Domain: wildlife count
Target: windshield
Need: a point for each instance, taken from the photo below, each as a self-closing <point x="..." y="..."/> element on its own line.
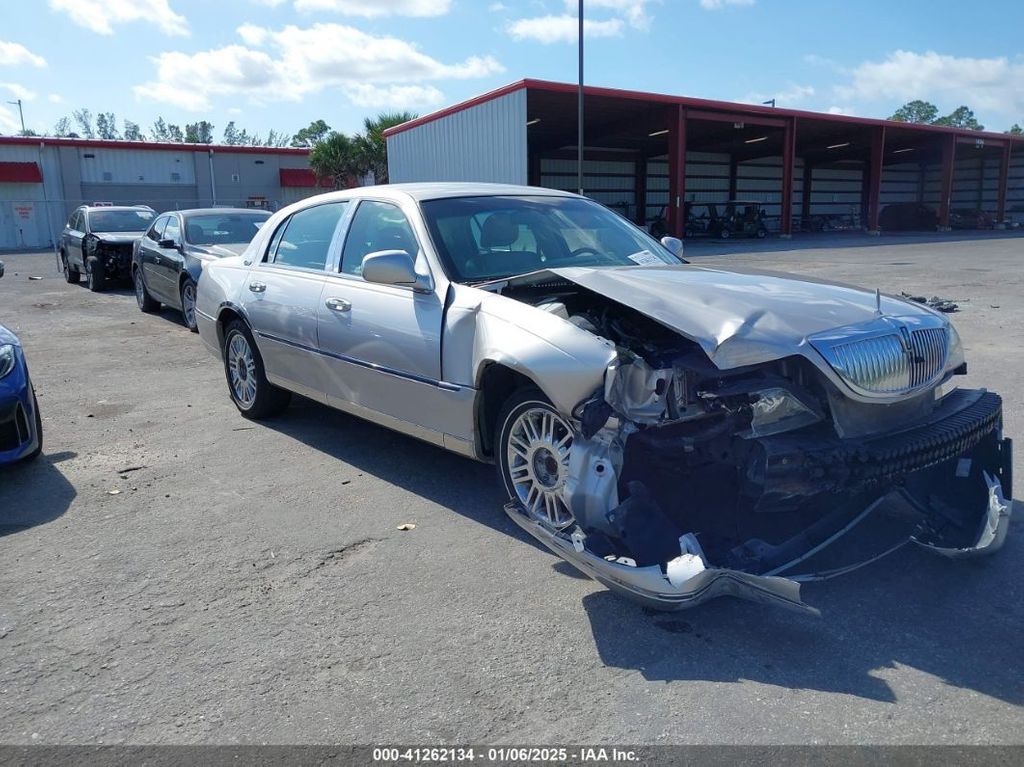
<point x="488" y="238"/>
<point x="120" y="220"/>
<point x="223" y="228"/>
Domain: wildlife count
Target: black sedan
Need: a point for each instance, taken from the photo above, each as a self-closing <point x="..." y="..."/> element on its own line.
<point x="168" y="259"/>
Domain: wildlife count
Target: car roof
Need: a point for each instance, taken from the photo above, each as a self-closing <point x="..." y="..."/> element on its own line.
<point x="116" y="207"/>
<point x="217" y="211"/>
<point x="442" y="190"/>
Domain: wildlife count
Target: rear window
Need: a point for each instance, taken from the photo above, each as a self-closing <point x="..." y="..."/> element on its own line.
<point x="120" y="220"/>
<point x="223" y="229"/>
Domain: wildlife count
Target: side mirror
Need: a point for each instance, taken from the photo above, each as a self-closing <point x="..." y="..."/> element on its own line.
<point x="673" y="245"/>
<point x="395" y="267"/>
<point x="167" y="244"/>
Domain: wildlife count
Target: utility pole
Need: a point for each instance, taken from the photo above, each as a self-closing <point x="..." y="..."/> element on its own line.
<point x="579" y="115"/>
<point x="21" y="114"/>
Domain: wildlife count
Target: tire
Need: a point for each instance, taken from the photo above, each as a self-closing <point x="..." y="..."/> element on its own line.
<point x="533" y="471"/>
<point x="762" y="233"/>
<point x="145" y="301"/>
<point x="188" y="304"/>
<point x="725" y="234"/>
<point x="95" y="276"/>
<point x="71" y="273"/>
<point x="39" y="429"/>
<point x="254" y="396"/>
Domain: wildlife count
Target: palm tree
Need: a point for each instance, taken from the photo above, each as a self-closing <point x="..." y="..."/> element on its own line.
<point x="372" y="148"/>
<point x="336" y="159"/>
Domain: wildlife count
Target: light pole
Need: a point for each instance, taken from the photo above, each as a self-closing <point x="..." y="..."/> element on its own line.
<point x="579" y="115"/>
<point x="21" y="114"/>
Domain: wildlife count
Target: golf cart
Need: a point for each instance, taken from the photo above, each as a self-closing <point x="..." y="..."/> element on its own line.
<point x="736" y="218"/>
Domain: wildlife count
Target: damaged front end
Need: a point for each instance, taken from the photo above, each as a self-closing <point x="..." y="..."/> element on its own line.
<point x="686" y="482"/>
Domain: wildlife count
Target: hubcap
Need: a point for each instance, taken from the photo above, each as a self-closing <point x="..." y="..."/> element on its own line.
<point x="188" y="304"/>
<point x="538" y="449"/>
<point x="241" y="371"/>
<point x="140" y="289"/>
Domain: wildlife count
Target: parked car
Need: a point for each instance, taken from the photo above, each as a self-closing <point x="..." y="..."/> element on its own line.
<point x="908" y="217"/>
<point x="97" y="240"/>
<point x="21" y="428"/>
<point x="168" y="259"/>
<point x="970" y="218"/>
<point x="678" y="432"/>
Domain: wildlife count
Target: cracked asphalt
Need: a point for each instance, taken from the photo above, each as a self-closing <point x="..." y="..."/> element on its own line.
<point x="172" y="573"/>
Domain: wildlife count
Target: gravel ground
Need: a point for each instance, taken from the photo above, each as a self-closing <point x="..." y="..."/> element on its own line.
<point x="248" y="583"/>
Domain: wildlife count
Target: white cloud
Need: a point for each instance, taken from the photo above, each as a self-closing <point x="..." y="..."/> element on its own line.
<point x="294" y="61"/>
<point x="714" y="5"/>
<point x="837" y="110"/>
<point x="371" y="8"/>
<point x="993" y="85"/>
<point x="55" y="98"/>
<point x="497" y="7"/>
<point x="9" y="122"/>
<point x="393" y="96"/>
<point x="101" y="16"/>
<point x="18" y="91"/>
<point x="792" y="95"/>
<point x="14" y="54"/>
<point x="632" y="11"/>
<point x="562" y="29"/>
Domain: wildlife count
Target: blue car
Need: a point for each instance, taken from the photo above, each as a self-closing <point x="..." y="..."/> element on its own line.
<point x="21" y="430"/>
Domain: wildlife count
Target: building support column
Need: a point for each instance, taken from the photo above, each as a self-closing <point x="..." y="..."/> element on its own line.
<point x="946" y="195"/>
<point x="533" y="170"/>
<point x="677" y="173"/>
<point x="640" y="190"/>
<point x="873" y="181"/>
<point x="805" y="196"/>
<point x="1004" y="183"/>
<point x="734" y="172"/>
<point x="788" y="164"/>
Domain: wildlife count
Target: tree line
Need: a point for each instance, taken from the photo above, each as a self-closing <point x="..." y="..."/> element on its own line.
<point x="341" y="160"/>
<point x="926" y="113"/>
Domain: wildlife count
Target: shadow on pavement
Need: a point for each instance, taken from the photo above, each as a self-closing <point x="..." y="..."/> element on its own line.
<point x="696" y="248"/>
<point x="959" y="621"/>
<point x="33" y="493"/>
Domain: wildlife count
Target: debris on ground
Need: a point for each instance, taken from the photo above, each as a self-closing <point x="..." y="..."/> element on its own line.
<point x="35" y="278"/>
<point x="946" y="305"/>
<point x="115" y="491"/>
<point x="407" y="526"/>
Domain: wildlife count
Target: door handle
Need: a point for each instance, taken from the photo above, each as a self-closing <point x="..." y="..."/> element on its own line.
<point x="338" y="304"/>
<point x="257" y="287"/>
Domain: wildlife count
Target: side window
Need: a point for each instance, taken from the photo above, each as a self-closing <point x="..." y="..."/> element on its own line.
<point x="78" y="221"/>
<point x="376" y="226"/>
<point x="173" y="230"/>
<point x="157" y="229"/>
<point x="305" y="238"/>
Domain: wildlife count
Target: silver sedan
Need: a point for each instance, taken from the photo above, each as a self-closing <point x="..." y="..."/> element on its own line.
<point x="677" y="432"/>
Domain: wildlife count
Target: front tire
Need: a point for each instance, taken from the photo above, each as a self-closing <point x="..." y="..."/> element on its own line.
<point x="39" y="430"/>
<point x="142" y="297"/>
<point x="253" y="395"/>
<point x="95" y="276"/>
<point x="188" y="304"/>
<point x="532" y="457"/>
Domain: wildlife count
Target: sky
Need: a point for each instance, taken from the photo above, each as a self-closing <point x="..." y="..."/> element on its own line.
<point x="280" y="64"/>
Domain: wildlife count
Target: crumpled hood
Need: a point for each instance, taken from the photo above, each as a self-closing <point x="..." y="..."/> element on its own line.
<point x="219" y="251"/>
<point x="119" y="238"/>
<point x="738" y="316"/>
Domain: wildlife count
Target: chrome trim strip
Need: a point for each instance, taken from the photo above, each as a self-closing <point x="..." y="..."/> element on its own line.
<point x="444" y="385"/>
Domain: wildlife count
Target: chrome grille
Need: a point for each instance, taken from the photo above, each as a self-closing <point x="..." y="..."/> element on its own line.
<point x="887" y="362"/>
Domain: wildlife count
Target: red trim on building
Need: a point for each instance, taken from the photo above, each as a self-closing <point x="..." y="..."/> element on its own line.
<point x="299" y="177"/>
<point x="693" y="103"/>
<point x="151" y="145"/>
<point x="20" y="173"/>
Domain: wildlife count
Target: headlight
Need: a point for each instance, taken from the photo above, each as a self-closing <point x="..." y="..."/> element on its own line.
<point x="777" y="410"/>
<point x="6" y="359"/>
<point x="955" y="358"/>
<point x="90" y="243"/>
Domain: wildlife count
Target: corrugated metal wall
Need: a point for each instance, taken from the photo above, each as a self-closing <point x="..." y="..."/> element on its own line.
<point x="136" y="166"/>
<point x="486" y="142"/>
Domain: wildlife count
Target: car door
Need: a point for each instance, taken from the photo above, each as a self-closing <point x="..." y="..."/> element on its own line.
<point x="282" y="292"/>
<point x="383" y="342"/>
<point x="73" y="235"/>
<point x="149" y="250"/>
<point x="167" y="263"/>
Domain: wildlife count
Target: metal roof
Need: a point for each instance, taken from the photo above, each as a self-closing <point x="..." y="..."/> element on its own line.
<point x="150" y="145"/>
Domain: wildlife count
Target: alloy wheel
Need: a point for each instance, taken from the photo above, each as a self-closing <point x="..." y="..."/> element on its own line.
<point x="537" y="453"/>
<point x="241" y="371"/>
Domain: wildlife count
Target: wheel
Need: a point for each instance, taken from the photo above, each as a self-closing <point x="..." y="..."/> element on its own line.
<point x="95" y="277"/>
<point x="39" y="429"/>
<point x="71" y="273"/>
<point x="253" y="395"/>
<point x="142" y="297"/>
<point x="762" y="233"/>
<point x="725" y="234"/>
<point x="188" y="304"/>
<point x="534" y="444"/>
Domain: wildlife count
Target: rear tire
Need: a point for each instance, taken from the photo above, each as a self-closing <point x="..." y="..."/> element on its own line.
<point x="254" y="396"/>
<point x="71" y="273"/>
<point x="95" y="276"/>
<point x="188" y="304"/>
<point x="142" y="297"/>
